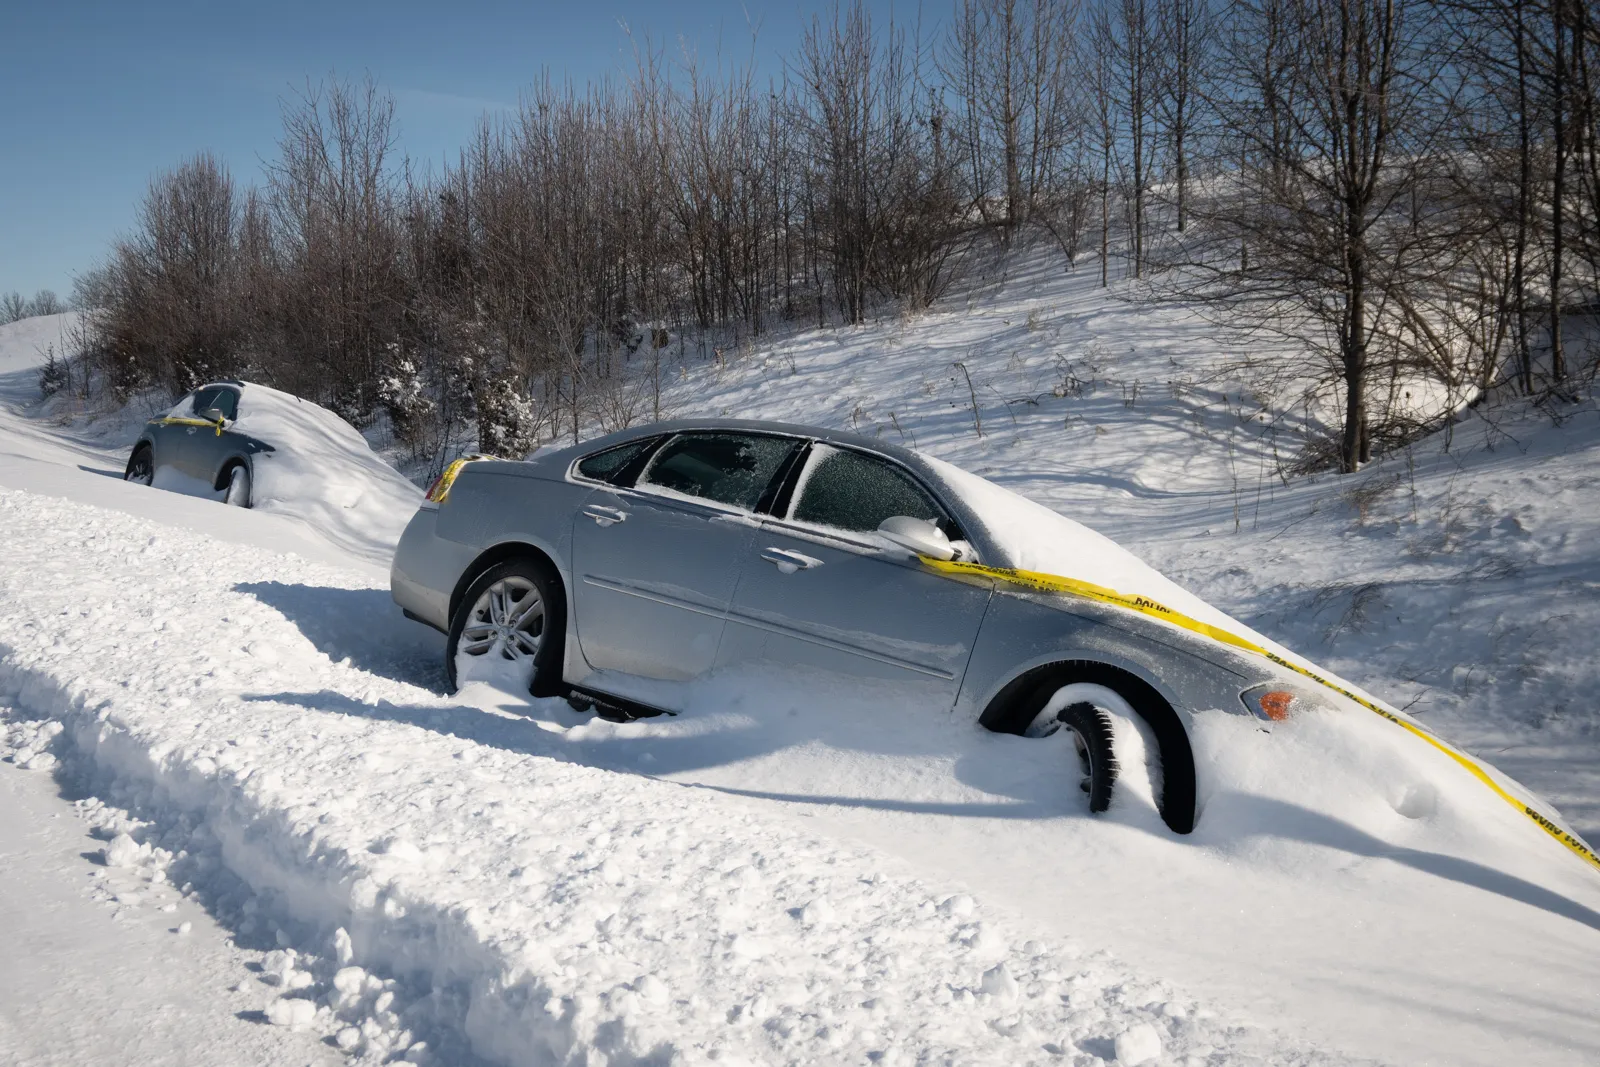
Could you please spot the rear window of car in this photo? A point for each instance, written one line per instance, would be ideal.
(852, 491)
(606, 465)
(728, 468)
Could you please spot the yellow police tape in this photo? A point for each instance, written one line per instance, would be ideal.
(176, 421)
(1054, 583)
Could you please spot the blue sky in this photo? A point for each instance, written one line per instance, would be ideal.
(101, 95)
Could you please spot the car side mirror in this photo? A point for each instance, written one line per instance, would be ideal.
(213, 415)
(919, 535)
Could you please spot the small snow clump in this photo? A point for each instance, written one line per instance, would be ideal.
(1141, 1044)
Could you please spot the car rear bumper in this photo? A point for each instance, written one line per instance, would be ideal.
(425, 569)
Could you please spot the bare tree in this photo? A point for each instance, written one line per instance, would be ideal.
(1129, 35)
(1183, 54)
(46, 302)
(1010, 63)
(333, 194)
(880, 210)
(1332, 199)
(171, 314)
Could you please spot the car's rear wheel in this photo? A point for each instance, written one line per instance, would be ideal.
(238, 491)
(507, 626)
(141, 467)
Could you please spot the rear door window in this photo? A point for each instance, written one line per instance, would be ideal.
(853, 491)
(607, 465)
(726, 468)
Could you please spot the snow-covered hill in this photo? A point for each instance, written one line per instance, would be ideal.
(745, 885)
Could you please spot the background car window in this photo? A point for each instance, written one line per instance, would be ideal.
(206, 399)
(227, 402)
(604, 466)
(729, 468)
(852, 491)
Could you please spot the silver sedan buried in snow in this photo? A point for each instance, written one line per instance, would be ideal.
(628, 571)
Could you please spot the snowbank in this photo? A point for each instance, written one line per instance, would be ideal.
(323, 473)
(443, 872)
(1034, 538)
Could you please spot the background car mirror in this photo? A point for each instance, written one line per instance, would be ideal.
(919, 535)
(213, 415)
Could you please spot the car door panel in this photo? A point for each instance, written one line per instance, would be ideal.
(213, 447)
(826, 595)
(652, 579)
(861, 614)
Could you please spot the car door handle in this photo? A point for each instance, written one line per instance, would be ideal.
(788, 562)
(605, 516)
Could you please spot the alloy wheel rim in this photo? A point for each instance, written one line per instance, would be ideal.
(506, 620)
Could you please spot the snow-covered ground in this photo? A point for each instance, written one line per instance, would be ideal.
(104, 965)
(745, 885)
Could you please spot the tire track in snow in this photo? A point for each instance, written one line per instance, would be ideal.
(503, 897)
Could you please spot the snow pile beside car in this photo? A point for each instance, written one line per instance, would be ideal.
(322, 472)
(483, 883)
(1357, 767)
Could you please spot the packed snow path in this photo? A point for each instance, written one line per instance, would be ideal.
(103, 965)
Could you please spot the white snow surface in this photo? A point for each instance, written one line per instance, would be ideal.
(782, 876)
(545, 909)
(323, 473)
(96, 969)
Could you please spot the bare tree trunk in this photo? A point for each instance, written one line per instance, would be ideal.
(1558, 186)
(1519, 282)
(1357, 446)
(1011, 119)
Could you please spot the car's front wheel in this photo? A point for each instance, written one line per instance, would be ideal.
(1034, 704)
(1092, 736)
(507, 627)
(238, 491)
(141, 467)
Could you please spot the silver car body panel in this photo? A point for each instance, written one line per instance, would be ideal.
(678, 589)
(846, 614)
(650, 590)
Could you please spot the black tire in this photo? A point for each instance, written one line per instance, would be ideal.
(1017, 706)
(545, 679)
(237, 486)
(1092, 736)
(141, 467)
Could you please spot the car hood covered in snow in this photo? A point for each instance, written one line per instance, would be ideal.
(1031, 537)
(322, 472)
